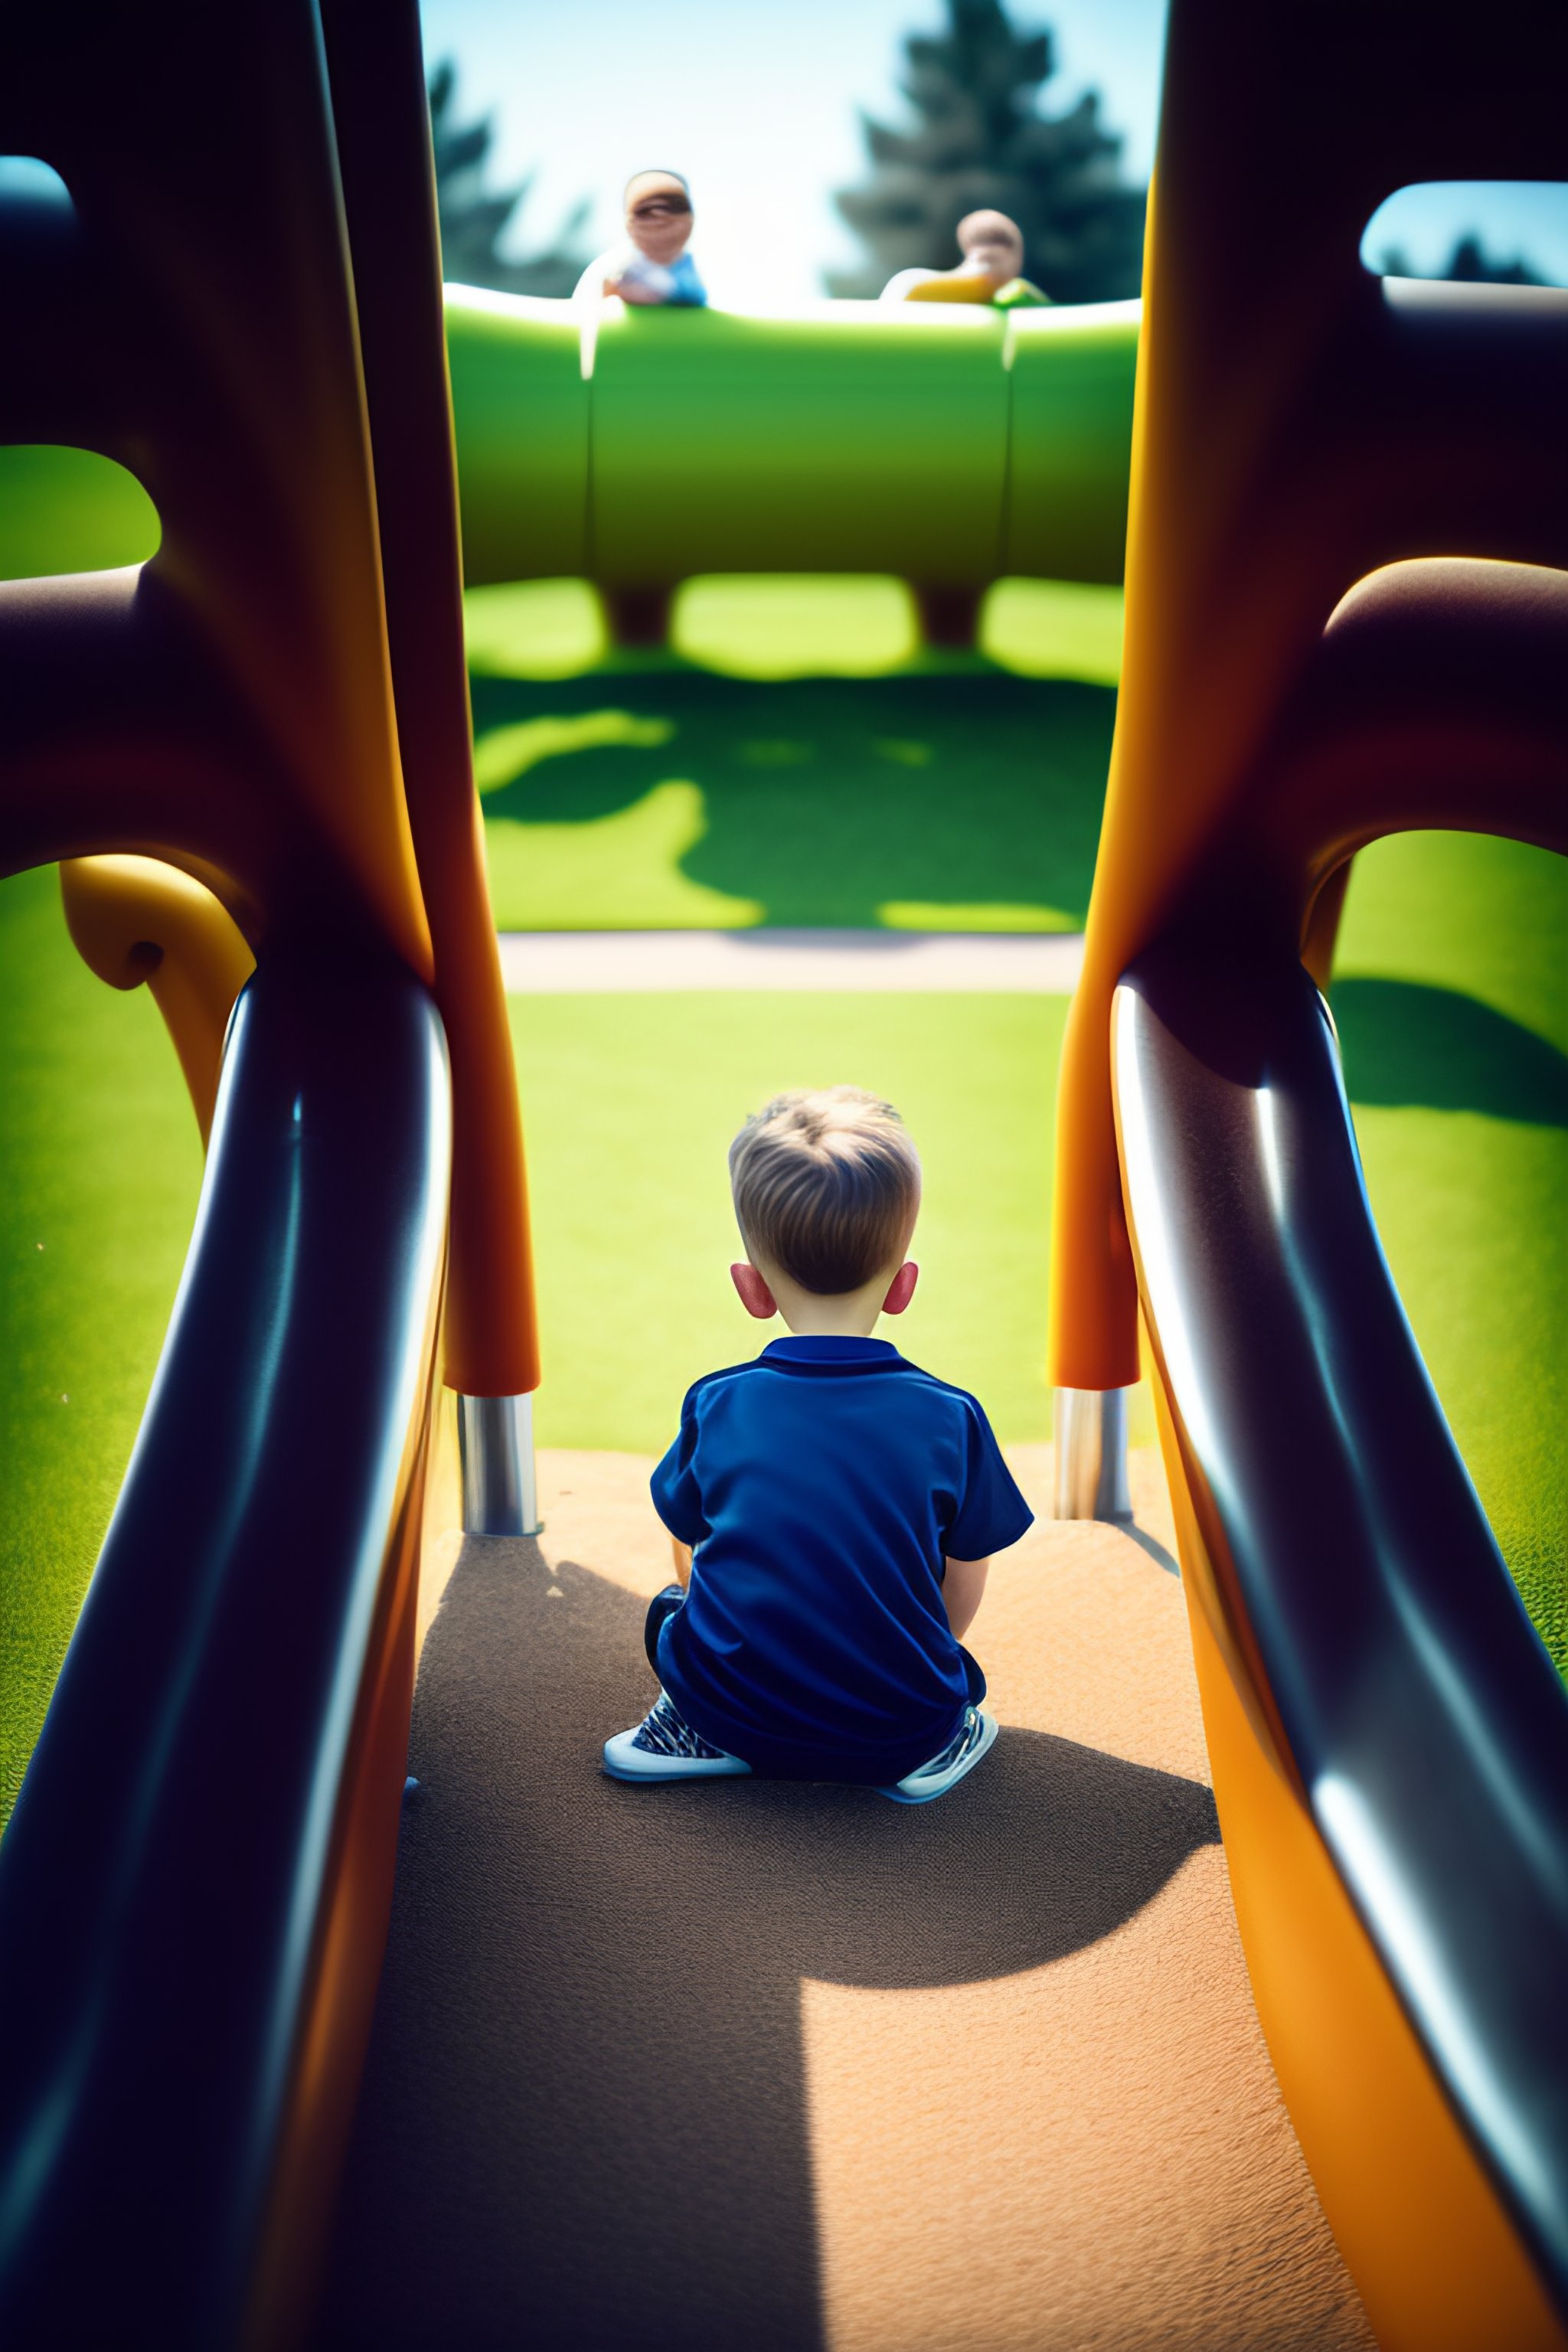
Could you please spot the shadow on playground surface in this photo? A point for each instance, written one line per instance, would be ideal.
(585, 2115)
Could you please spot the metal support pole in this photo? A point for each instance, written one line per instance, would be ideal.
(1091, 1454)
(495, 1445)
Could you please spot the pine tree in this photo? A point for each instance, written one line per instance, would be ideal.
(473, 221)
(1468, 264)
(1471, 263)
(980, 141)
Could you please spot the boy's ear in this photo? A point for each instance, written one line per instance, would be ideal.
(902, 1288)
(755, 1296)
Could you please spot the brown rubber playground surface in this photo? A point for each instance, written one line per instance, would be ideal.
(761, 2068)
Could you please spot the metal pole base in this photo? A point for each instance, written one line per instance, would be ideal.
(1091, 1454)
(495, 1445)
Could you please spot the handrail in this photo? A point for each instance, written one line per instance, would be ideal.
(1390, 1738)
(133, 920)
(195, 1882)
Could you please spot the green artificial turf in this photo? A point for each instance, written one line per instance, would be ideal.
(774, 626)
(1453, 1005)
(672, 798)
(902, 789)
(629, 1105)
(1451, 999)
(794, 625)
(64, 510)
(100, 1167)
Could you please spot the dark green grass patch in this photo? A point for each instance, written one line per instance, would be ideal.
(952, 803)
(1409, 1045)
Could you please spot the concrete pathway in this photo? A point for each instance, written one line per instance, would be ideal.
(1012, 962)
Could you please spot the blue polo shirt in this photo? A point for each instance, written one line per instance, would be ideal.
(822, 1488)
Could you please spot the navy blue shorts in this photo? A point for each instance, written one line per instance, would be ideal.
(665, 1604)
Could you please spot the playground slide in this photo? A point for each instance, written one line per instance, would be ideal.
(1395, 1694)
(231, 1716)
(196, 1880)
(247, 1631)
(1346, 618)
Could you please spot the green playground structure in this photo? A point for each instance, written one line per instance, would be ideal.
(949, 446)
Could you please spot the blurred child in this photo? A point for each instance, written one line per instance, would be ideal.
(833, 1507)
(653, 267)
(991, 269)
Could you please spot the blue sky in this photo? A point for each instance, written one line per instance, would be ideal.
(757, 102)
(1426, 222)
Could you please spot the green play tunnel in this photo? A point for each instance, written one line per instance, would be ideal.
(951, 445)
(946, 445)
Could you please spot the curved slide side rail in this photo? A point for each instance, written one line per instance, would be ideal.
(196, 1883)
(1389, 1737)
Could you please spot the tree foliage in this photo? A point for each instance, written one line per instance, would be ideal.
(474, 219)
(1468, 264)
(980, 140)
(1470, 261)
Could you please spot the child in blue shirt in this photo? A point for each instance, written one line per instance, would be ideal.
(833, 1507)
(653, 268)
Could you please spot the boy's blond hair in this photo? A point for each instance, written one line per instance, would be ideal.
(827, 1186)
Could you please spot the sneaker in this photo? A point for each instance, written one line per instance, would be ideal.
(665, 1747)
(962, 1754)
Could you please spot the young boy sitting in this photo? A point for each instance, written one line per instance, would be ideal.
(833, 1507)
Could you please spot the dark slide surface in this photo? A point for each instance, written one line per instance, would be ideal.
(173, 1852)
(1426, 1722)
(583, 2120)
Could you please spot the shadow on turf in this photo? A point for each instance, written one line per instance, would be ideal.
(584, 2119)
(1409, 1046)
(828, 798)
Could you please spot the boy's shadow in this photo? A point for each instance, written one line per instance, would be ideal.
(584, 2119)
